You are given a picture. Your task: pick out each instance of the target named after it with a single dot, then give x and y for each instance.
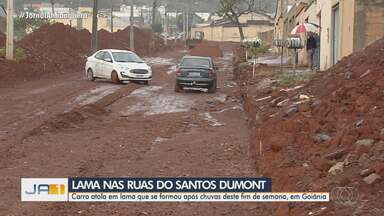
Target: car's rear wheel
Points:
(115, 78)
(177, 87)
(213, 88)
(90, 75)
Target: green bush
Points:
(259, 50)
(24, 26)
(294, 78)
(19, 53)
(157, 28)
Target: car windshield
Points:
(126, 57)
(196, 62)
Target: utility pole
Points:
(53, 6)
(111, 15)
(187, 35)
(9, 41)
(154, 8)
(132, 33)
(176, 29)
(94, 26)
(165, 25)
(184, 24)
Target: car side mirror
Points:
(108, 60)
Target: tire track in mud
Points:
(69, 120)
(78, 115)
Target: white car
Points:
(118, 66)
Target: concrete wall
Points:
(220, 33)
(252, 16)
(103, 23)
(361, 23)
(369, 23)
(325, 8)
(347, 27)
(266, 37)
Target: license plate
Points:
(139, 76)
(194, 74)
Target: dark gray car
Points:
(196, 72)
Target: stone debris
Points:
(372, 178)
(336, 169)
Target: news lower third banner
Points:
(160, 190)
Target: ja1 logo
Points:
(44, 189)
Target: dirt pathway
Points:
(78, 128)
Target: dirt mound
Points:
(108, 40)
(208, 49)
(326, 134)
(143, 39)
(57, 46)
(2, 39)
(52, 49)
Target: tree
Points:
(233, 9)
(154, 8)
(23, 25)
(53, 6)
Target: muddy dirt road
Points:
(68, 126)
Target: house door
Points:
(335, 52)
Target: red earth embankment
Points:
(325, 134)
(207, 49)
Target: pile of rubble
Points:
(323, 134)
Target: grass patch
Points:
(19, 53)
(288, 79)
(243, 65)
(255, 51)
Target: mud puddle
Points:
(94, 95)
(151, 102)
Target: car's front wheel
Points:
(90, 75)
(213, 88)
(115, 77)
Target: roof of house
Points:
(225, 22)
(229, 23)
